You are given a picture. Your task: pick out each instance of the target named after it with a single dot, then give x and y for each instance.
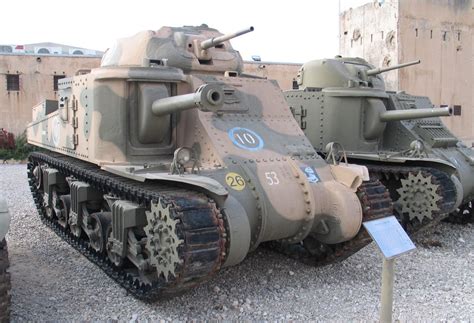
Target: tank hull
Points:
(337, 103)
(169, 165)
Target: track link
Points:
(201, 226)
(391, 175)
(463, 215)
(5, 284)
(376, 203)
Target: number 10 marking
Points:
(246, 139)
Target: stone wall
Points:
(438, 32)
(36, 75)
(36, 78)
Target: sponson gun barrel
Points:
(397, 115)
(212, 42)
(379, 70)
(208, 97)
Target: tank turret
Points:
(343, 72)
(187, 48)
(398, 136)
(171, 164)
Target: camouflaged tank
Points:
(167, 163)
(344, 110)
(5, 285)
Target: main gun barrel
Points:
(208, 97)
(397, 115)
(379, 70)
(212, 42)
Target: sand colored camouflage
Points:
(189, 164)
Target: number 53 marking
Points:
(272, 178)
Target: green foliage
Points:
(21, 150)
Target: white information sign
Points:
(389, 236)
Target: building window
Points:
(5, 49)
(56, 78)
(457, 110)
(43, 51)
(13, 82)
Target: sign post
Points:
(392, 241)
(387, 291)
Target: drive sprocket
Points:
(418, 197)
(162, 240)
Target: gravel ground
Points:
(51, 281)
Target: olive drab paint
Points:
(344, 101)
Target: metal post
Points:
(387, 291)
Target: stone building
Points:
(283, 73)
(438, 32)
(29, 74)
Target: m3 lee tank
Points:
(167, 163)
(5, 283)
(343, 108)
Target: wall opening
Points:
(13, 82)
(56, 78)
(43, 51)
(456, 110)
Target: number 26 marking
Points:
(272, 178)
(235, 181)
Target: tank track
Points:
(463, 215)
(376, 203)
(5, 284)
(390, 176)
(200, 225)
